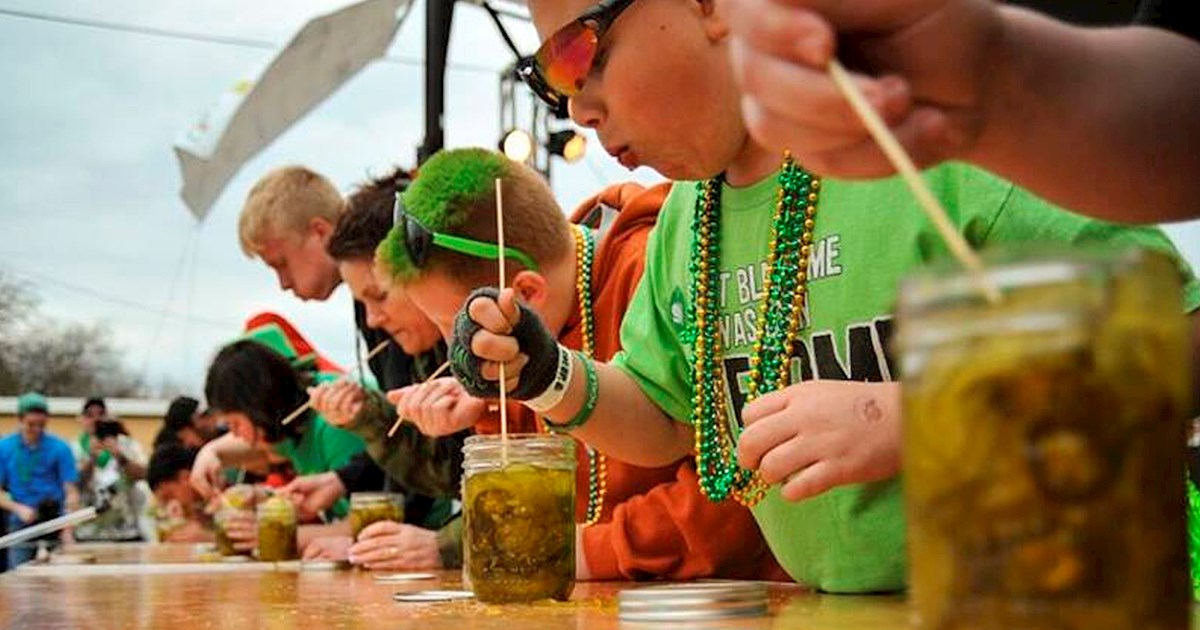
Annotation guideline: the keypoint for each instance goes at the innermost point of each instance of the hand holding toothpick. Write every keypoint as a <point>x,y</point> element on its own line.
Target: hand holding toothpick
<point>908,170</point>
<point>436,373</point>
<point>308,405</point>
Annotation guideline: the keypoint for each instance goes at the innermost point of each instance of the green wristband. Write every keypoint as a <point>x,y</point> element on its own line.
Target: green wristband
<point>589,403</point>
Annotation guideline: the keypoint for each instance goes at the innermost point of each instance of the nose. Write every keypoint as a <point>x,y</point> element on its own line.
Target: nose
<point>285,283</point>
<point>375,315</point>
<point>586,107</point>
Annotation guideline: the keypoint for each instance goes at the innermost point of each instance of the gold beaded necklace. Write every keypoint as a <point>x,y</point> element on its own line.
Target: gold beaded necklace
<point>778,322</point>
<point>585,253</point>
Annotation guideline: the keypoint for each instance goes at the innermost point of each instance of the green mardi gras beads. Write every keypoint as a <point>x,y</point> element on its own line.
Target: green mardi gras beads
<point>778,322</point>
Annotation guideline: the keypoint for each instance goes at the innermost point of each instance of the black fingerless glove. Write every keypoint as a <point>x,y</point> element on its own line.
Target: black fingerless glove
<point>532,338</point>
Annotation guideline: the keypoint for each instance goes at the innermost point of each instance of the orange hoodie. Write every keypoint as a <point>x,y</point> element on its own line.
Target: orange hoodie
<point>655,523</point>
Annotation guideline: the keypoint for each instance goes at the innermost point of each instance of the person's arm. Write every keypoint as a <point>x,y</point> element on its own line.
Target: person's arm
<point>25,513</point>
<point>85,461</point>
<point>625,423</point>
<point>418,463</point>
<point>191,531</point>
<point>673,532</point>
<point>305,534</point>
<point>1073,113</point>
<point>71,492</point>
<point>72,503</point>
<point>68,475</point>
<point>227,450</point>
<point>233,451</point>
<point>372,417</point>
<point>360,474</point>
<point>396,546</point>
<point>450,543</point>
<point>438,407</point>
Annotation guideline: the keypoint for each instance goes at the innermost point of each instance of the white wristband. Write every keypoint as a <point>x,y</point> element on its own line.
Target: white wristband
<point>554,394</point>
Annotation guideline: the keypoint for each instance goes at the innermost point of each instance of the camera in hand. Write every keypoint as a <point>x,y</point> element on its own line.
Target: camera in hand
<point>108,428</point>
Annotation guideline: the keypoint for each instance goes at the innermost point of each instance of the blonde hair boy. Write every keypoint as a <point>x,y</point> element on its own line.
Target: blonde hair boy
<point>286,221</point>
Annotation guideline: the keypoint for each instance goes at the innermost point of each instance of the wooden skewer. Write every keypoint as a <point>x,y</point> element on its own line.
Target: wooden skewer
<point>436,373</point>
<point>306,406</point>
<point>503,376</point>
<point>908,170</point>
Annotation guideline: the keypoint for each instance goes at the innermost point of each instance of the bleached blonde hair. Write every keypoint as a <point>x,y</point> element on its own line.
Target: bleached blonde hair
<point>283,202</point>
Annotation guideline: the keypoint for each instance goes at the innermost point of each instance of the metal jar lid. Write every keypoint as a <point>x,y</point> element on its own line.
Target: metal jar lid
<point>693,602</point>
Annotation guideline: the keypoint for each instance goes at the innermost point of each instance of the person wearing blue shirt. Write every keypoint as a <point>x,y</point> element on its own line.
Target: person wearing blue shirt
<point>37,474</point>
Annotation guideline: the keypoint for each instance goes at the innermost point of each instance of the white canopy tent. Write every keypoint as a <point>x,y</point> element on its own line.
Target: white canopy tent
<point>326,53</point>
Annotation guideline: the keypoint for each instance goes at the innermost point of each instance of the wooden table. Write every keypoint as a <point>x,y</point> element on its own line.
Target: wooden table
<point>92,597</point>
<point>95,597</point>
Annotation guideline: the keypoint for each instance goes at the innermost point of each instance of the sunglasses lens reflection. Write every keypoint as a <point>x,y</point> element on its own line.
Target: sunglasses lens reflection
<point>566,58</point>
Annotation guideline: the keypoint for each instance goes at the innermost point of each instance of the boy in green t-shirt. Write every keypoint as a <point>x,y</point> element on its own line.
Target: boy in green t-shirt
<point>757,243</point>
<point>253,387</point>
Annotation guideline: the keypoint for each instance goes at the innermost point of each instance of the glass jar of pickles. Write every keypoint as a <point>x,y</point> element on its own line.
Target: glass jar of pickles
<point>168,519</point>
<point>372,507</point>
<point>519,517</point>
<point>1044,443</point>
<point>277,530</point>
<point>236,502</point>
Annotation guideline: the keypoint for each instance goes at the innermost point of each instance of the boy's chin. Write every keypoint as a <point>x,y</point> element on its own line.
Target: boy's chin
<point>684,172</point>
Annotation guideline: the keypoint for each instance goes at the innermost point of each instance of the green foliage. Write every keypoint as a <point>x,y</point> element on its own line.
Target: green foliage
<point>55,358</point>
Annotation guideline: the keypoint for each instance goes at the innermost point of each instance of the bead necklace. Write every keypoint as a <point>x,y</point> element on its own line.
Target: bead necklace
<point>585,252</point>
<point>778,321</point>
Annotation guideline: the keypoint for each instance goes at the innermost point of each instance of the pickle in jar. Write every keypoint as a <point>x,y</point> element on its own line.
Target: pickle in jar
<point>373,507</point>
<point>520,533</point>
<point>1043,447</point>
<point>277,531</point>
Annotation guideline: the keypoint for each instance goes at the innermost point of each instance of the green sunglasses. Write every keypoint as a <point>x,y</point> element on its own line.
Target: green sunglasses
<point>419,240</point>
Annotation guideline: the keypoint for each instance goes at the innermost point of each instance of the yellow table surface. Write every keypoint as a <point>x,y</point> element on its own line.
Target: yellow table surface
<point>100,596</point>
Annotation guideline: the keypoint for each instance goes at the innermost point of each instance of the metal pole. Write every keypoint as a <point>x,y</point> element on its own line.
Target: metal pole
<point>439,16</point>
<point>49,527</point>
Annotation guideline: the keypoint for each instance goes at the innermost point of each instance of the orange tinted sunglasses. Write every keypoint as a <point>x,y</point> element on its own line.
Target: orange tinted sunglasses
<point>559,68</point>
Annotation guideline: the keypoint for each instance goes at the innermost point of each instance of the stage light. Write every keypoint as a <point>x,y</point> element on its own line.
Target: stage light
<point>568,144</point>
<point>517,144</point>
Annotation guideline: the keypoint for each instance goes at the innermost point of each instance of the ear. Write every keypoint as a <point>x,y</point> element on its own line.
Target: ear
<point>321,227</point>
<point>531,288</point>
<point>713,20</point>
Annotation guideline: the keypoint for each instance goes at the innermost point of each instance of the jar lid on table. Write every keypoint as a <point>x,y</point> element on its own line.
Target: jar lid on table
<point>693,601</point>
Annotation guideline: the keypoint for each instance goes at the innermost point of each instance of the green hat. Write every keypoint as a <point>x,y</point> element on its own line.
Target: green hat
<point>274,337</point>
<point>439,196</point>
<point>30,402</point>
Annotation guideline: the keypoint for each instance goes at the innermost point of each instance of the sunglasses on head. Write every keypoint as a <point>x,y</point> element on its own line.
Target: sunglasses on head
<point>419,240</point>
<point>559,68</point>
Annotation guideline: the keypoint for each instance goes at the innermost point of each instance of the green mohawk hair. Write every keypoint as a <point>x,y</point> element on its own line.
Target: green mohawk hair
<point>438,198</point>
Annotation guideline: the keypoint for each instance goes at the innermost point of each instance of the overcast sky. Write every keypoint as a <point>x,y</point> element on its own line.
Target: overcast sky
<point>89,205</point>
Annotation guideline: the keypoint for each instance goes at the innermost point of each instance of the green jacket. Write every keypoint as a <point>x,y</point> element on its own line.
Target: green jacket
<point>421,464</point>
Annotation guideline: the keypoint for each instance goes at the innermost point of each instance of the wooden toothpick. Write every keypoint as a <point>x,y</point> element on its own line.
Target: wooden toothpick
<point>306,406</point>
<point>503,376</point>
<point>908,170</point>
